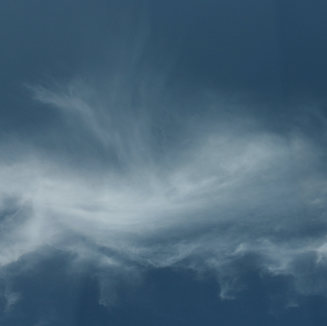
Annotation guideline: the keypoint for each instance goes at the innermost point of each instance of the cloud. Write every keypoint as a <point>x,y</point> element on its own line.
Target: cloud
<point>221,192</point>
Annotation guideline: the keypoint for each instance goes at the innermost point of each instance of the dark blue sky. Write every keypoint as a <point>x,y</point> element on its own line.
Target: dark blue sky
<point>163,162</point>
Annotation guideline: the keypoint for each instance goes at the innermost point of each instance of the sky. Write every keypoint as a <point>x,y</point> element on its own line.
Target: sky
<point>163,162</point>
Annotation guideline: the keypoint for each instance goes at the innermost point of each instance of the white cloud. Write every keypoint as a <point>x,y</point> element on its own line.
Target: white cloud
<point>224,194</point>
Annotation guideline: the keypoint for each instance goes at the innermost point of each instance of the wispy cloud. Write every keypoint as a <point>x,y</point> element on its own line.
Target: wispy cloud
<point>220,193</point>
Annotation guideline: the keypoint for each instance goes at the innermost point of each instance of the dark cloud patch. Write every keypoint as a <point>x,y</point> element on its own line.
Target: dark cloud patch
<point>164,296</point>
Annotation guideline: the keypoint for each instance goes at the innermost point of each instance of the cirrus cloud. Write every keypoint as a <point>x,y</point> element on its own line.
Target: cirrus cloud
<point>218,193</point>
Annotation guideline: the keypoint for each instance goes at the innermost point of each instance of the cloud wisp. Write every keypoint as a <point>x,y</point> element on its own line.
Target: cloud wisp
<point>219,194</point>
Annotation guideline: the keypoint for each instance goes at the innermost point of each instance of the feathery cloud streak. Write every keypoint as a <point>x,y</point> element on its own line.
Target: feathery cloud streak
<point>216,194</point>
